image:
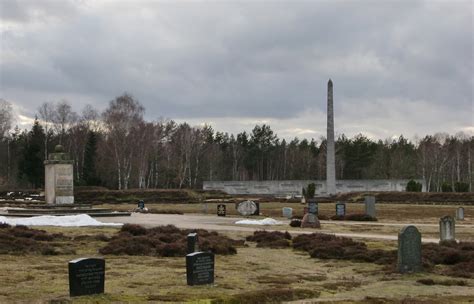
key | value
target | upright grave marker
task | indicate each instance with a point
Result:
(340, 209)
(221, 210)
(460, 214)
(287, 212)
(409, 250)
(370, 205)
(257, 211)
(312, 206)
(447, 229)
(58, 171)
(200, 268)
(247, 208)
(86, 276)
(310, 220)
(193, 243)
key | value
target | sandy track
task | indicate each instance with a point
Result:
(208, 222)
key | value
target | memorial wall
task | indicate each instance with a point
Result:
(294, 187)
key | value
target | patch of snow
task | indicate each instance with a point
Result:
(51, 220)
(266, 221)
(9, 193)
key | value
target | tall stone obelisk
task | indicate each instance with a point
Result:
(330, 150)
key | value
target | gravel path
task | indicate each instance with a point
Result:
(208, 222)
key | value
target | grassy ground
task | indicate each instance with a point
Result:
(253, 275)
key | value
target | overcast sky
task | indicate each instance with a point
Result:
(398, 67)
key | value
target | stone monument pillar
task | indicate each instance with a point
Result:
(330, 150)
(59, 173)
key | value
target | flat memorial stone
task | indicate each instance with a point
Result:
(86, 276)
(200, 268)
(409, 250)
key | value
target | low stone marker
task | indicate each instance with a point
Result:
(247, 208)
(409, 250)
(370, 205)
(287, 212)
(204, 208)
(340, 209)
(257, 212)
(86, 276)
(460, 214)
(310, 220)
(312, 206)
(447, 229)
(221, 210)
(193, 243)
(200, 268)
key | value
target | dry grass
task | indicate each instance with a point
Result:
(250, 274)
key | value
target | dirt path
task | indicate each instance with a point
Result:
(192, 221)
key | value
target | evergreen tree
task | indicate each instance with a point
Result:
(31, 166)
(89, 173)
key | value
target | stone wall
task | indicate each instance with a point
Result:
(294, 187)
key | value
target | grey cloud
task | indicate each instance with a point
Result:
(245, 59)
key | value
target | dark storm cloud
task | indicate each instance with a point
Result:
(204, 61)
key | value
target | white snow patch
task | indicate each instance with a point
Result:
(51, 220)
(265, 221)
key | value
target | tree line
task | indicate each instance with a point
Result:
(119, 149)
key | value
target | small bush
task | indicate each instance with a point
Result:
(461, 187)
(133, 229)
(274, 239)
(446, 187)
(413, 186)
(295, 223)
(361, 217)
(166, 241)
(24, 240)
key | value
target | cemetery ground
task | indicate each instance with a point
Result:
(254, 274)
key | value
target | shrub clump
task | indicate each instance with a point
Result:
(354, 217)
(327, 246)
(24, 240)
(165, 241)
(457, 257)
(295, 223)
(273, 239)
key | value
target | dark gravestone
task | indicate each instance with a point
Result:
(257, 212)
(312, 206)
(409, 250)
(340, 209)
(141, 204)
(221, 210)
(370, 205)
(193, 242)
(200, 268)
(86, 276)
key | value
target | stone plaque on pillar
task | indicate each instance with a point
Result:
(59, 181)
